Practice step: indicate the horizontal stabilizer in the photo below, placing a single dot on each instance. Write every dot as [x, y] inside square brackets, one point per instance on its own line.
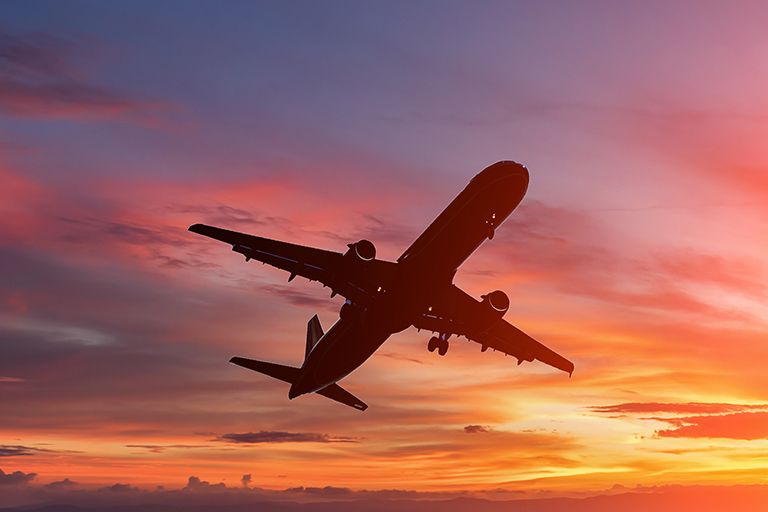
[336, 392]
[281, 372]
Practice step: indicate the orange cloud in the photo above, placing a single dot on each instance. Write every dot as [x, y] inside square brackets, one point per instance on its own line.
[744, 425]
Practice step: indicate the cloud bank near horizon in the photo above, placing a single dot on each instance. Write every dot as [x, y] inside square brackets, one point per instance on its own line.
[638, 253]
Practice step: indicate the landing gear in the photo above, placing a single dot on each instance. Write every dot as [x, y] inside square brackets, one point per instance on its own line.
[441, 344]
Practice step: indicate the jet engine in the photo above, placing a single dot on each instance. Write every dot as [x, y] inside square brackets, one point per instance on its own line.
[364, 250]
[354, 263]
[497, 301]
[492, 308]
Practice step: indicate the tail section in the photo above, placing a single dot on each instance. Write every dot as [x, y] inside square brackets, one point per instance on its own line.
[291, 375]
[314, 333]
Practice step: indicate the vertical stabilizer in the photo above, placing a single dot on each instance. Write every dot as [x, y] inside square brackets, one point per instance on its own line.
[314, 333]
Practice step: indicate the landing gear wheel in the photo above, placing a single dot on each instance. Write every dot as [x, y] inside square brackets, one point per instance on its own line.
[433, 343]
[443, 348]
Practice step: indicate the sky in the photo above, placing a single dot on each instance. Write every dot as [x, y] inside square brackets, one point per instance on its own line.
[638, 252]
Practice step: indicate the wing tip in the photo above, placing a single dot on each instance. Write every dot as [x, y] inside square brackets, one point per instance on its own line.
[196, 228]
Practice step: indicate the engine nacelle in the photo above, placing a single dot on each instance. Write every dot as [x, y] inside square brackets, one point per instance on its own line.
[497, 301]
[493, 308]
[364, 250]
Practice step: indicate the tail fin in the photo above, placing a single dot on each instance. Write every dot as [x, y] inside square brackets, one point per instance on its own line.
[287, 374]
[314, 333]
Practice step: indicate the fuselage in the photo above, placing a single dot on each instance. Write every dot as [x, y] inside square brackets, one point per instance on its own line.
[423, 272]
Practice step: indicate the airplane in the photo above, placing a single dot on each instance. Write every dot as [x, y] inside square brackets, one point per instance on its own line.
[384, 297]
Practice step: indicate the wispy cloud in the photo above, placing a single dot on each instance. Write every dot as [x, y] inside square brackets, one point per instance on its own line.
[281, 437]
[39, 79]
[18, 450]
[684, 408]
[698, 420]
[744, 425]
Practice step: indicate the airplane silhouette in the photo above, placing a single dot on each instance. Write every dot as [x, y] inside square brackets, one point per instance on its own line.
[386, 297]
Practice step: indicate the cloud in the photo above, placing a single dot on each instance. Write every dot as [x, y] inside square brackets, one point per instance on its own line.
[15, 451]
[400, 357]
[61, 484]
[194, 484]
[120, 489]
[698, 420]
[318, 299]
[328, 491]
[282, 437]
[155, 448]
[744, 425]
[40, 78]
[16, 478]
[476, 429]
[246, 480]
[674, 408]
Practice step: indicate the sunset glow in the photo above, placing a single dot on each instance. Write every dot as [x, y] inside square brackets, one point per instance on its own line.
[639, 252]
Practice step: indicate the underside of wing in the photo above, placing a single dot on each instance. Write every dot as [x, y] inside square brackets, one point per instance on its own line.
[349, 278]
[507, 338]
[457, 313]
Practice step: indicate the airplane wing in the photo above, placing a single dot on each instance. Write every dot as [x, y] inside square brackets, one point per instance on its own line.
[320, 265]
[458, 313]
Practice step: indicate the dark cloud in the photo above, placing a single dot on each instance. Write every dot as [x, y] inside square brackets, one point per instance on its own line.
[17, 450]
[327, 491]
[476, 429]
[194, 484]
[246, 480]
[400, 357]
[120, 489]
[61, 484]
[156, 448]
[16, 478]
[282, 437]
